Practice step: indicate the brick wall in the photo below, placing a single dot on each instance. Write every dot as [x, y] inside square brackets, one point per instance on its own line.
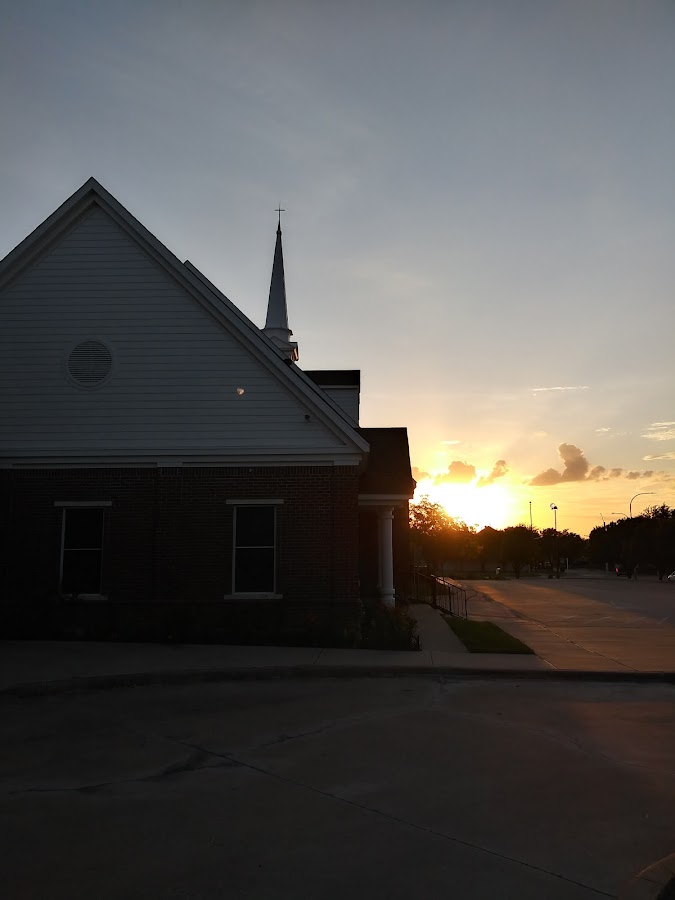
[168, 540]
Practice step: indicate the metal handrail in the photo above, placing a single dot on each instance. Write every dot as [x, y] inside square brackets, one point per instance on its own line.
[444, 593]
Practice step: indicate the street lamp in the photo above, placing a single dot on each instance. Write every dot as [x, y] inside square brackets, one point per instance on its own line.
[555, 539]
[555, 516]
[630, 505]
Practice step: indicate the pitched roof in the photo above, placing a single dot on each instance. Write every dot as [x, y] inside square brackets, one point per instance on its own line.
[216, 303]
[388, 470]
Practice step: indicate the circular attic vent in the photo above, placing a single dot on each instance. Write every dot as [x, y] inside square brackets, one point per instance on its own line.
[89, 363]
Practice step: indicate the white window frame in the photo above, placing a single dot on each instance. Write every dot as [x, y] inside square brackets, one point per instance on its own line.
[65, 505]
[253, 595]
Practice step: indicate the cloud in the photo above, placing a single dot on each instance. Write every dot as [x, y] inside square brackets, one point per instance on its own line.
[458, 472]
[499, 469]
[660, 431]
[669, 455]
[577, 468]
[572, 387]
[602, 430]
[451, 442]
[548, 476]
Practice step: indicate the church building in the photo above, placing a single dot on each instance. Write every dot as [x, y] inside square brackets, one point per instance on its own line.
[167, 469]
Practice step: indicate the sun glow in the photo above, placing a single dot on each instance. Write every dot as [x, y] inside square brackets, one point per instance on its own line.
[492, 505]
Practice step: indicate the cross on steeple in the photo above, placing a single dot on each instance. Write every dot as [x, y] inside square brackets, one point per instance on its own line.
[279, 210]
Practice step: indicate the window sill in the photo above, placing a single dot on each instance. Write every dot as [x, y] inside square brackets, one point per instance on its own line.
[256, 595]
[85, 598]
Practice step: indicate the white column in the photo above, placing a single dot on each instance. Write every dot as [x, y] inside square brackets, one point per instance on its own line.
[386, 518]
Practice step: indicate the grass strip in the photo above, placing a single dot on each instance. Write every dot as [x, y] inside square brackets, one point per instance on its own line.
[485, 637]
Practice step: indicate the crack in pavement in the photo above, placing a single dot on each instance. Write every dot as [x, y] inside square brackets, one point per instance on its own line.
[204, 758]
[193, 763]
[284, 779]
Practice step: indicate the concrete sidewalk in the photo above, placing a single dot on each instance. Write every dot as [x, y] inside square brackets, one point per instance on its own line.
[36, 667]
[618, 640]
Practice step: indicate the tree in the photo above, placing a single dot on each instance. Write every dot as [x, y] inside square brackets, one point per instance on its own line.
[438, 535]
[518, 546]
[557, 545]
[648, 539]
[429, 525]
[489, 546]
[428, 519]
[460, 542]
[653, 539]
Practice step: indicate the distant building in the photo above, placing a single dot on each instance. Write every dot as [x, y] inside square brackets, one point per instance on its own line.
[166, 468]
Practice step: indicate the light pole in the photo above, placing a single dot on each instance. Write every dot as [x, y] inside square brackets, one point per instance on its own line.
[630, 505]
[555, 539]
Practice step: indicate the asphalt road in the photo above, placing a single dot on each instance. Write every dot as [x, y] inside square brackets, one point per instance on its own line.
[356, 788]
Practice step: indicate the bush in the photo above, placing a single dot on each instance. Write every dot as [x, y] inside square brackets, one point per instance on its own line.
[387, 628]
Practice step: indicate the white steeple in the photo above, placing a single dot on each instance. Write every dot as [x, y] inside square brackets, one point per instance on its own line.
[276, 325]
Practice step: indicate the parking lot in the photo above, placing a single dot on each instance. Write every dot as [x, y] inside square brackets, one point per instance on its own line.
[337, 787]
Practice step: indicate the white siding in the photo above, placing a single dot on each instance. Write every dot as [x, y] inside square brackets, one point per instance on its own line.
[176, 369]
[347, 398]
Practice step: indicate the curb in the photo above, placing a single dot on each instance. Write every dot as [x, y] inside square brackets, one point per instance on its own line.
[262, 673]
[656, 882]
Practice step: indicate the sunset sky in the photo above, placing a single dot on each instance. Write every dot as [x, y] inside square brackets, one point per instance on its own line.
[480, 209]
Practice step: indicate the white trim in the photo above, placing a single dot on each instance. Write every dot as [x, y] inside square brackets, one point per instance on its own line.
[382, 498]
[83, 503]
[127, 460]
[375, 500]
[274, 548]
[63, 544]
[86, 504]
[254, 503]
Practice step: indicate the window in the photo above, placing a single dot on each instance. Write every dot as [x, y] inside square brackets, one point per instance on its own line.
[254, 549]
[81, 550]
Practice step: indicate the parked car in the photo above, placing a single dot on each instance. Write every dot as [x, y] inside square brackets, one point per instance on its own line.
[671, 577]
[620, 570]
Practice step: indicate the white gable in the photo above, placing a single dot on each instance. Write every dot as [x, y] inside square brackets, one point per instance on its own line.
[177, 373]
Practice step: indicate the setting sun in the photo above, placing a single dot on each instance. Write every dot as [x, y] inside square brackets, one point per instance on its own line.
[492, 504]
